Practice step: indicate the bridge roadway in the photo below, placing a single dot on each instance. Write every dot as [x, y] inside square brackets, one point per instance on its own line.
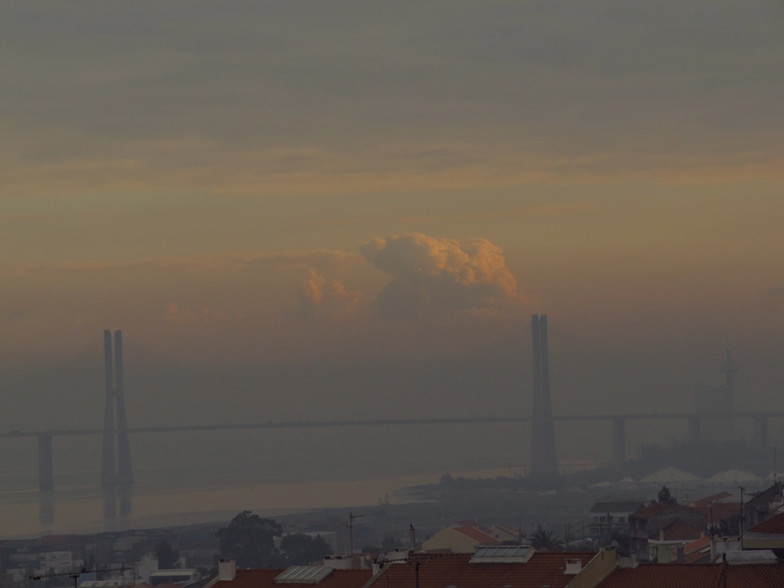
[618, 424]
[305, 424]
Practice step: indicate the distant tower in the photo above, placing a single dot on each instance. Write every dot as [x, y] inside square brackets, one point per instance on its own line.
[729, 369]
[716, 405]
[544, 460]
[116, 468]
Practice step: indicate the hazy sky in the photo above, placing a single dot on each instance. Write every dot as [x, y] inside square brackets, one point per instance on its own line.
[331, 199]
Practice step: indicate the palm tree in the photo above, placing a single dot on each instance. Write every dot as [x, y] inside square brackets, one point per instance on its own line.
[544, 540]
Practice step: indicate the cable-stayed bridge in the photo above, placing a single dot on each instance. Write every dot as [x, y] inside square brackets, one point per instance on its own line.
[617, 421]
[116, 464]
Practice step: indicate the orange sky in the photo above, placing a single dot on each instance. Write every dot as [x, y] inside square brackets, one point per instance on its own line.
[206, 179]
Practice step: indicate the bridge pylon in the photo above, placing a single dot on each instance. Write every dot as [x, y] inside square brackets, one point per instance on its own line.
[544, 459]
[116, 467]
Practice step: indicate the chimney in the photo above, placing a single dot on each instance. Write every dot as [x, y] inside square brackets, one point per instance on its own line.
[227, 570]
[573, 566]
[627, 562]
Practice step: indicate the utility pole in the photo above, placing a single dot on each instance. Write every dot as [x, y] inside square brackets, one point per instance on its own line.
[740, 525]
[351, 517]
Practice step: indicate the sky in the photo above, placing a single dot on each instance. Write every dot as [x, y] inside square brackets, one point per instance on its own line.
[349, 209]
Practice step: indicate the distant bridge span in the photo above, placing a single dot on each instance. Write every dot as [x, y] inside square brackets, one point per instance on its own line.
[45, 438]
[311, 424]
[617, 421]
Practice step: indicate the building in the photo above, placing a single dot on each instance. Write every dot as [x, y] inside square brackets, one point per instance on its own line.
[669, 546]
[768, 534]
[495, 566]
[611, 516]
[763, 506]
[655, 522]
[466, 536]
[738, 571]
[293, 577]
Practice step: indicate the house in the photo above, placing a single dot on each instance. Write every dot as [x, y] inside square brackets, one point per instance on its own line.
[738, 571]
[697, 551]
[722, 512]
[764, 505]
[293, 577]
[669, 545]
[611, 516]
[649, 521]
[466, 536]
[766, 535]
[496, 566]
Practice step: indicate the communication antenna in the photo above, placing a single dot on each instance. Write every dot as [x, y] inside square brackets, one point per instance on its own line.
[351, 517]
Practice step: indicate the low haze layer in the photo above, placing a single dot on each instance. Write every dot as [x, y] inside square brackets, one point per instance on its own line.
[340, 210]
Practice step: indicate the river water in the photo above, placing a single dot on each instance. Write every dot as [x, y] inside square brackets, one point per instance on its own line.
[197, 477]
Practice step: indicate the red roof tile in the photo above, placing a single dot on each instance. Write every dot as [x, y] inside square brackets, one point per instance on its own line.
[679, 530]
[477, 534]
[543, 569]
[720, 511]
[774, 526]
[697, 545]
[697, 576]
[713, 498]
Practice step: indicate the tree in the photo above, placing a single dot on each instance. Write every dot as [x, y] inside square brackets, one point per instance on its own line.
[168, 557]
[727, 527]
[300, 549]
[665, 497]
[545, 540]
[250, 541]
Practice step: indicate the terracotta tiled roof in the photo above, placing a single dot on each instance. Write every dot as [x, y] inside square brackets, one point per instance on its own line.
[543, 569]
[477, 534]
[697, 576]
[697, 557]
[720, 511]
[679, 530]
[648, 511]
[266, 579]
[774, 526]
[766, 496]
[697, 545]
[713, 498]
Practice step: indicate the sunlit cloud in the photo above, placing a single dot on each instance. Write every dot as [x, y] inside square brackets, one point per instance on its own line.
[432, 276]
[327, 297]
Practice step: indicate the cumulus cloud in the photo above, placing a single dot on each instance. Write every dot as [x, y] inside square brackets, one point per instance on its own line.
[325, 297]
[432, 275]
